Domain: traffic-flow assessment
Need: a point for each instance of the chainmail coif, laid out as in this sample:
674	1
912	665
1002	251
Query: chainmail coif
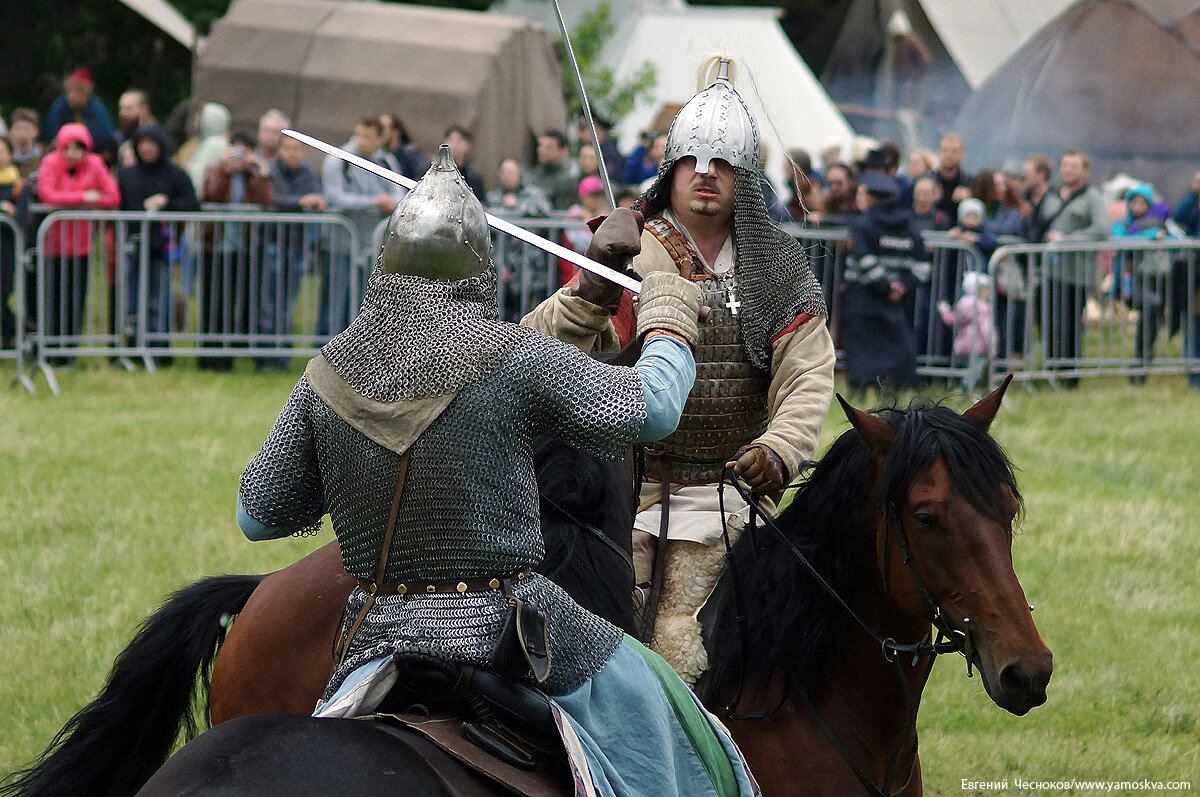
418	338
774	279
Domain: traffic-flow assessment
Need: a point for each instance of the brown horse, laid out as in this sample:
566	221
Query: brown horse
822	636
820	643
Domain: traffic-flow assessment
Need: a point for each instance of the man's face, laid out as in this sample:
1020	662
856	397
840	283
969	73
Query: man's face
548	150
460	148
269	135
1071	170
510	175
23	134
366	140
148	149
73	153
130	109
587	160
290	152
391	132
950	151
78	94
1195	177
925	194
709	194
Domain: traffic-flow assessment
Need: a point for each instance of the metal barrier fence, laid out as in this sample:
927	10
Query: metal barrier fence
219	284
13	260
1078	309
151	286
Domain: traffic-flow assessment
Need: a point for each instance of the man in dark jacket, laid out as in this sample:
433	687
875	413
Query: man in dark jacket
293	250
887	263
152	183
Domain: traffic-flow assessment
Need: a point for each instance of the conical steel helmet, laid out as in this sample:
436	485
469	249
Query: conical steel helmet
438	231
715	124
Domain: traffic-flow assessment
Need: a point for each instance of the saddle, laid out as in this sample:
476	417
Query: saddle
499	727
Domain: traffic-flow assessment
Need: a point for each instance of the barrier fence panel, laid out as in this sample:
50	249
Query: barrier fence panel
219	284
208	284
13	259
1070	310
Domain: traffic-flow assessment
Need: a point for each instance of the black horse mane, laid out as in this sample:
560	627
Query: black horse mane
790	622
587	509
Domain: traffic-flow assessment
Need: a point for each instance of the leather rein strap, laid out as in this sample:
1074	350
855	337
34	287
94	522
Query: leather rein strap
381	571
659	573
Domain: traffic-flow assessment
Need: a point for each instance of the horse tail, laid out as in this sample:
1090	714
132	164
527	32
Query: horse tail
115	743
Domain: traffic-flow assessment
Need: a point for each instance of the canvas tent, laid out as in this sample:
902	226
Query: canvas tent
963	43
1114	79
326	63
791	107
168	20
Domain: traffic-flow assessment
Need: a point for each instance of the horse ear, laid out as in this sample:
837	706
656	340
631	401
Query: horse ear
986	408
874	431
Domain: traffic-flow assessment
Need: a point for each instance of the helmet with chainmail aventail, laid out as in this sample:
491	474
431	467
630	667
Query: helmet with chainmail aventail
428	324
776	284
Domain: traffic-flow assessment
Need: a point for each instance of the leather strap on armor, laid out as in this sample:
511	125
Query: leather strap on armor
676	243
383	559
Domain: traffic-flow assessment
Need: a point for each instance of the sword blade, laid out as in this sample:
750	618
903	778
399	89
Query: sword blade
496	223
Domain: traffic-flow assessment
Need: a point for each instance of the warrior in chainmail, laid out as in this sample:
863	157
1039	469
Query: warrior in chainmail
412	429
764	360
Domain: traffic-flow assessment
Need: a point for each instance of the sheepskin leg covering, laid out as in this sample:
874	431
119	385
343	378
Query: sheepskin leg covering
691	574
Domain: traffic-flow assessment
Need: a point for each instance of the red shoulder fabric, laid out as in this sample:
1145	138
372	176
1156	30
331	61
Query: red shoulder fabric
799	321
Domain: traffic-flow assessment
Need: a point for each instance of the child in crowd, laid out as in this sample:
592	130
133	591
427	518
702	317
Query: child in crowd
972	228
971	318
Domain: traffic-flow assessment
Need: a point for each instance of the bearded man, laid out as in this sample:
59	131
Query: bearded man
764	359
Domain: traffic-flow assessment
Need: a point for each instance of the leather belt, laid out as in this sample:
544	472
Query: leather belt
462	587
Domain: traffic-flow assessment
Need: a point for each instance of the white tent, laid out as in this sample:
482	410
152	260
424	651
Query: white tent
791	107
168	20
981	34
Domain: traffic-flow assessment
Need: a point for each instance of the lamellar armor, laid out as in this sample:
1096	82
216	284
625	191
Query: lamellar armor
469	506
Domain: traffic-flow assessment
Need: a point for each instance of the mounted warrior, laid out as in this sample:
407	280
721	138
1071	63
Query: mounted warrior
413	430
764	357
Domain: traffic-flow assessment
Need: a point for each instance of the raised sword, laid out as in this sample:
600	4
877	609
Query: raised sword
496	223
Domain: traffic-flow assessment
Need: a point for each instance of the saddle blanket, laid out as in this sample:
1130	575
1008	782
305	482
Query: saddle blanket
633	730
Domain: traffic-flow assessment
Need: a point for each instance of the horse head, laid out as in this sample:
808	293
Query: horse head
946	500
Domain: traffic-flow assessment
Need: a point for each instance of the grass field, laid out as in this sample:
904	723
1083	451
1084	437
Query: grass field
123	488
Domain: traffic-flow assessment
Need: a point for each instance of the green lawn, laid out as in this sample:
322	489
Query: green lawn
123	488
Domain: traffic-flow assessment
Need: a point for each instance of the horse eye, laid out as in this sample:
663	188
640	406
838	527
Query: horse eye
925	519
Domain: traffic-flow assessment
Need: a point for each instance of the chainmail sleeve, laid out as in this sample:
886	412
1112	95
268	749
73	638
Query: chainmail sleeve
281	487
595	407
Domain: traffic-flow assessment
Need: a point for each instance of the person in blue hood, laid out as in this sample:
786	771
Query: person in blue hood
1141	277
153	183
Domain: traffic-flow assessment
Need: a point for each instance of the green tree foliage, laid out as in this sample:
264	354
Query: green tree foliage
609	97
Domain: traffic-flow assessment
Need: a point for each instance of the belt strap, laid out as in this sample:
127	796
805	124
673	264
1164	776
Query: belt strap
441	587
381	572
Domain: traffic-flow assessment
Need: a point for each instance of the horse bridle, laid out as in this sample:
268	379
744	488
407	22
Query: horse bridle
949	640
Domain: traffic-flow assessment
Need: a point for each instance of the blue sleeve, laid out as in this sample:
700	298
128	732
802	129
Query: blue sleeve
253	529
668	371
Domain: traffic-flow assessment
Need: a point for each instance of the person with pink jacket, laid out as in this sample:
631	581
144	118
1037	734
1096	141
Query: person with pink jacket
75	177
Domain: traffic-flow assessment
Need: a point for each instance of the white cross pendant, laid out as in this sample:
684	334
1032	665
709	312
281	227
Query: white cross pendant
733	304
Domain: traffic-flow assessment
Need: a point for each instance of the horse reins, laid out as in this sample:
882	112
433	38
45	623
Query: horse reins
949	640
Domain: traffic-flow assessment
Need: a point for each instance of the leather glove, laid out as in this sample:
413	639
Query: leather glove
759	467
615	239
670	303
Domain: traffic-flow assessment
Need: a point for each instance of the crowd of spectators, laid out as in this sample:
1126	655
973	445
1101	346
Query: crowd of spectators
77	157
